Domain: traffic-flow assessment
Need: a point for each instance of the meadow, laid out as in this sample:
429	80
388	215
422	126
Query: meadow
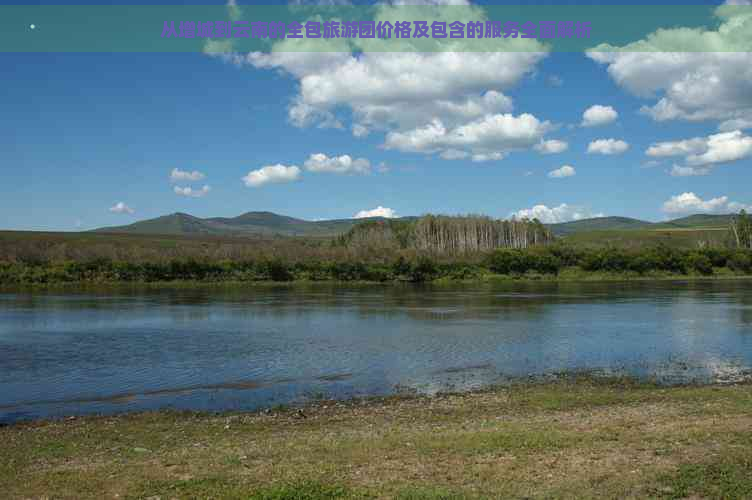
571	438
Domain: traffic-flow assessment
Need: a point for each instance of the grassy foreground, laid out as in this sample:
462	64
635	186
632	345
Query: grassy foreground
575	438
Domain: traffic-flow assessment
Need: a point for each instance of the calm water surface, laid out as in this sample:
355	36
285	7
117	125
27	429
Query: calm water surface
76	352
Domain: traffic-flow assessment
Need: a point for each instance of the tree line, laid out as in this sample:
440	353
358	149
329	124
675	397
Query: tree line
740	230
533	262
449	235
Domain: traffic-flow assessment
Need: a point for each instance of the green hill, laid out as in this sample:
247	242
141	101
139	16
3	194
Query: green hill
699	221
245	225
598	224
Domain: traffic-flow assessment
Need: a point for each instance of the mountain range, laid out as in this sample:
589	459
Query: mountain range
267	224
250	224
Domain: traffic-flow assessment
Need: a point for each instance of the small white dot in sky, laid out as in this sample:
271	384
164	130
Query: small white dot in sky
32	26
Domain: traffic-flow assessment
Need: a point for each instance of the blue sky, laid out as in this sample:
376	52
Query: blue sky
84	132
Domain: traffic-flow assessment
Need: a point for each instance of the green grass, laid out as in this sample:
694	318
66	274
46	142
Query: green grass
577	437
727	478
680	238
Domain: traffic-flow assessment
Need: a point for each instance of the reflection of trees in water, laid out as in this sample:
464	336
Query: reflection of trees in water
744	309
502	301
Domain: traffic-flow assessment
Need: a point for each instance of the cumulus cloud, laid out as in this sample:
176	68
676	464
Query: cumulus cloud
564	171
386	90
551	146
319	162
607	146
709	78
178	175
376	212
553	215
399	84
677	148
121	208
690	203
598	115
190	192
377	88
706	152
489	135
271	174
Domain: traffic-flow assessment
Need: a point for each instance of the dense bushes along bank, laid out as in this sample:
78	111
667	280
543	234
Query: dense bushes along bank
534	262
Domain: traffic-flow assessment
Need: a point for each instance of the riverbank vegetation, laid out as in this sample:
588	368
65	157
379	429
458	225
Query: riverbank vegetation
575	438
550	262
428	248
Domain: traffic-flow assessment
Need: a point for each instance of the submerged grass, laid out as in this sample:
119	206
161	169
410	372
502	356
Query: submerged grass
573	438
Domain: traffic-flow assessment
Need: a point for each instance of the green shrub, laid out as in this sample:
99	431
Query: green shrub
424	270
401	267
741	261
276	270
699	263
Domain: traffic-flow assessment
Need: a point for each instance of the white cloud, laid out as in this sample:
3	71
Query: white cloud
376	212
607	146
178	175
386	90
693	73
484	157
453	154
551	146
565	171
319	162
722	148
690	203
680	171
706	151
677	148
359	130
271	174
598	115
121	208
562	213
401	85
735	124
489	135
189	191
